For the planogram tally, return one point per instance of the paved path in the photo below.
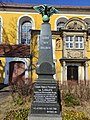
(3, 95)
(4, 92)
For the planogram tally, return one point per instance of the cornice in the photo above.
(29, 8)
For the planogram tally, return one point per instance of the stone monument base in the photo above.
(44, 117)
(46, 98)
(46, 101)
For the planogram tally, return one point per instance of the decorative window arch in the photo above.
(87, 21)
(24, 31)
(75, 24)
(60, 23)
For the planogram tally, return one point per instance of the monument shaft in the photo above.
(45, 63)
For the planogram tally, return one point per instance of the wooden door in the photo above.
(72, 73)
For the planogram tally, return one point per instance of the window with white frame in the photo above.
(60, 25)
(69, 42)
(74, 42)
(79, 42)
(26, 32)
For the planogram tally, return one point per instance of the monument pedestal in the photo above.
(46, 101)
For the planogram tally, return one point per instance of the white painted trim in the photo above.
(53, 48)
(79, 73)
(86, 17)
(33, 24)
(58, 19)
(61, 74)
(6, 80)
(72, 15)
(82, 68)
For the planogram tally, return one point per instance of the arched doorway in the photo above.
(16, 69)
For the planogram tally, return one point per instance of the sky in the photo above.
(52, 2)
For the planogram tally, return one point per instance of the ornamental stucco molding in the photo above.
(74, 54)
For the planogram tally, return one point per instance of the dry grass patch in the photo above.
(84, 107)
(8, 104)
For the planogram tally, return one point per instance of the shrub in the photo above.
(74, 115)
(80, 90)
(21, 89)
(70, 100)
(21, 114)
(19, 101)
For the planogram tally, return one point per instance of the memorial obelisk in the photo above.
(46, 104)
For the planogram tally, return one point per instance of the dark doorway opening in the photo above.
(72, 72)
(16, 68)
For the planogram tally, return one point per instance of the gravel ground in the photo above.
(3, 95)
(4, 92)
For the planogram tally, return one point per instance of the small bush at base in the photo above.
(21, 90)
(73, 115)
(21, 114)
(70, 100)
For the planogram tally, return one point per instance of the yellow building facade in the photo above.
(20, 25)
